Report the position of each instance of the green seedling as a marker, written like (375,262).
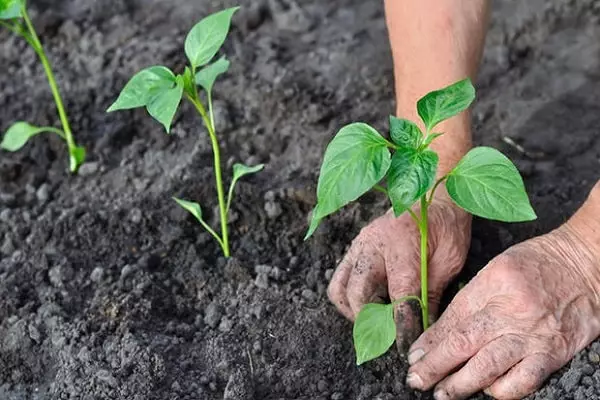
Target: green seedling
(160,90)
(14,17)
(484,183)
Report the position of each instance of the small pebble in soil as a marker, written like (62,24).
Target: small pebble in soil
(97,274)
(225,325)
(594,357)
(570,379)
(273,209)
(262,281)
(135,215)
(322,386)
(337,396)
(329,274)
(213,314)
(43,193)
(88,168)
(126,271)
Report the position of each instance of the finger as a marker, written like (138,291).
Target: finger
(367,281)
(491,362)
(404,282)
(524,378)
(459,344)
(458,310)
(336,291)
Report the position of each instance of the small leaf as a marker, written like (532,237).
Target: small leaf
(356,159)
(207,76)
(191,207)
(189,86)
(442,104)
(207,36)
(239,171)
(487,184)
(163,106)
(76,158)
(19,133)
(10,9)
(431,138)
(374,331)
(143,87)
(411,175)
(405,133)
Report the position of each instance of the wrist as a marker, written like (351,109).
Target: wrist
(584,228)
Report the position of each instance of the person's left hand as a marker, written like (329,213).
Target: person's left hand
(521,318)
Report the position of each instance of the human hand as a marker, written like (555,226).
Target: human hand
(383,261)
(521,318)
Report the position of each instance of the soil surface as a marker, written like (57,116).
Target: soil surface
(110,291)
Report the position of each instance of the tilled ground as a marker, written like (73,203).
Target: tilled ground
(109,291)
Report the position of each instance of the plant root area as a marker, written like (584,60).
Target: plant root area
(108,290)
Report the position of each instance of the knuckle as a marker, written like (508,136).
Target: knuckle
(458,343)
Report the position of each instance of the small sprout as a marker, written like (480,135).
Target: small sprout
(14,17)
(484,183)
(160,91)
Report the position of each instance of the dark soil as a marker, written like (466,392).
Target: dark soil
(110,291)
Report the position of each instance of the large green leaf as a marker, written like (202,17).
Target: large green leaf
(207,76)
(163,106)
(10,9)
(487,184)
(207,36)
(411,175)
(20,132)
(143,87)
(442,104)
(239,171)
(374,331)
(405,133)
(355,160)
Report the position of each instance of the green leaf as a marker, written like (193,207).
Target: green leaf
(207,36)
(356,159)
(411,175)
(405,133)
(20,132)
(163,106)
(207,76)
(189,86)
(143,87)
(76,158)
(191,207)
(442,104)
(239,171)
(374,331)
(10,9)
(431,138)
(487,184)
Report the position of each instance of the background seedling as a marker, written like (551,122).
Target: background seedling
(14,17)
(484,183)
(160,91)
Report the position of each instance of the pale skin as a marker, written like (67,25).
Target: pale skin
(530,309)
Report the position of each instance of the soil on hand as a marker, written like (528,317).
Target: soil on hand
(108,290)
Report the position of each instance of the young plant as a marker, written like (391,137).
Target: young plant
(484,183)
(161,91)
(14,17)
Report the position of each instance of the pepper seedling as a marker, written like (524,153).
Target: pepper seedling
(159,90)
(14,17)
(484,183)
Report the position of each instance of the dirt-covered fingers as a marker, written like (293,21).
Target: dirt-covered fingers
(461,341)
(336,291)
(367,282)
(403,280)
(524,378)
(483,369)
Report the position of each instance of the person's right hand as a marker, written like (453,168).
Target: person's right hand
(384,260)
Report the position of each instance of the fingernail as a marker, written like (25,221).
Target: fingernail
(414,381)
(415,356)
(441,394)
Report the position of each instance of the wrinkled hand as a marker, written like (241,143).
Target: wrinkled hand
(384,260)
(521,318)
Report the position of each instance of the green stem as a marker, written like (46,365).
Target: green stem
(39,49)
(438,183)
(380,188)
(424,277)
(218,177)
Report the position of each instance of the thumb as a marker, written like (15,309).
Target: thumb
(406,313)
